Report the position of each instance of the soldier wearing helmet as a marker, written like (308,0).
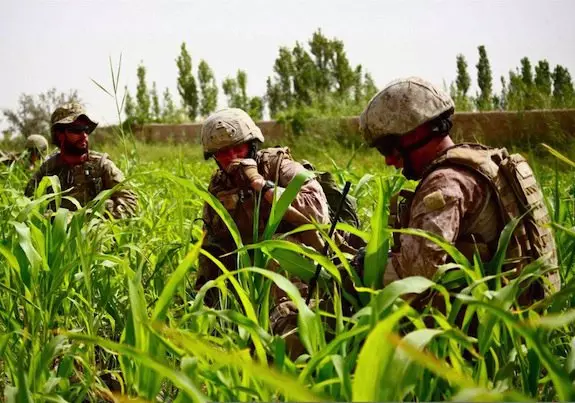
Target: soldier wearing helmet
(462,196)
(82,172)
(232,138)
(35,149)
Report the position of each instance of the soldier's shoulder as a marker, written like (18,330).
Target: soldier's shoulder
(97,155)
(451,175)
(101,158)
(51,163)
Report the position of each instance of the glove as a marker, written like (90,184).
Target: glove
(244,172)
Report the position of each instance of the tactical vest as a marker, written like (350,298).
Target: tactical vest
(516,192)
(84,179)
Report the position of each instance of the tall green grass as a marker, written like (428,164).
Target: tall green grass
(90,304)
(96,309)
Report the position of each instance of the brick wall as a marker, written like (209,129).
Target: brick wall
(492,128)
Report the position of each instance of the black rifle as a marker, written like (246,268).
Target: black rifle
(326,245)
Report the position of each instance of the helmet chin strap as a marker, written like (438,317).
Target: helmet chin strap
(405,151)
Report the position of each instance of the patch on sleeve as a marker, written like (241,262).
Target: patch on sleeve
(434,201)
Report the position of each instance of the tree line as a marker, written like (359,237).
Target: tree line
(319,80)
(313,79)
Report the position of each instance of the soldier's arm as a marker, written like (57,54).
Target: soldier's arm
(33,182)
(438,207)
(123,202)
(310,200)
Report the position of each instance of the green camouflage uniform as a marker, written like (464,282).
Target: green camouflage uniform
(85,180)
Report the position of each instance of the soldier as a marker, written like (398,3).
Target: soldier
(466,194)
(86,173)
(36,148)
(232,138)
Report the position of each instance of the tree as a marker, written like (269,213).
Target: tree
(156,110)
(256,108)
(320,79)
(484,99)
(530,96)
(369,87)
(235,90)
(462,84)
(142,97)
(129,108)
(563,93)
(322,51)
(273,97)
(280,94)
(343,74)
(171,114)
(543,84)
(187,83)
(208,89)
(516,92)
(33,112)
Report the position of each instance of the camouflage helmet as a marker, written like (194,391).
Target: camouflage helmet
(36,142)
(228,127)
(66,114)
(402,106)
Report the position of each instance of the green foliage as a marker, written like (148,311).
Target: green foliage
(32,116)
(461,87)
(143,102)
(235,90)
(316,78)
(484,100)
(187,83)
(208,89)
(563,93)
(156,111)
(101,299)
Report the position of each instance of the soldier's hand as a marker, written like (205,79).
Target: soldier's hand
(245,172)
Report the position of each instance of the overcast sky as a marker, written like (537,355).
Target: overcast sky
(65,44)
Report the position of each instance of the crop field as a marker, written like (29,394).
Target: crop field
(96,309)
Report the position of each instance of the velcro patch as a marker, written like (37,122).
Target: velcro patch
(434,201)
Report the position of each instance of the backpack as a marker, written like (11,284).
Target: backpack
(327,182)
(518,193)
(334,194)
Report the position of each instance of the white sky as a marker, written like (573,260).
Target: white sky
(65,44)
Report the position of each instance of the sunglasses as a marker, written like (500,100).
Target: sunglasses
(78,129)
(387,145)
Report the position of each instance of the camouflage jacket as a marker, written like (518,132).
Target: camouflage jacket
(240,203)
(469,211)
(85,181)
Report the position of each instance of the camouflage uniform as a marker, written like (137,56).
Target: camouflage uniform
(274,164)
(465,195)
(35,144)
(84,181)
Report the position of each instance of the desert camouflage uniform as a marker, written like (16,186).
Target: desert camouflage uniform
(231,127)
(240,203)
(85,180)
(464,195)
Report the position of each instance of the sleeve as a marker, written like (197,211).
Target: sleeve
(33,182)
(438,207)
(124,202)
(310,200)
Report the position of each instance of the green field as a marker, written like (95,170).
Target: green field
(86,303)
